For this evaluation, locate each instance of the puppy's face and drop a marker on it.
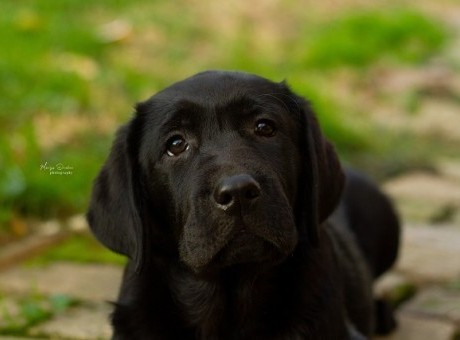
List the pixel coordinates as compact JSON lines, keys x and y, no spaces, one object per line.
{"x":221,"y":153}
{"x":220,"y":169}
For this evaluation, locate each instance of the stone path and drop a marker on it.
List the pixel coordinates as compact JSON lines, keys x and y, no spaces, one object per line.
{"x":429,"y":198}
{"x":94,"y":285}
{"x":85,"y":282}
{"x":430,"y":264}
{"x":86,"y":322}
{"x":430,"y":254}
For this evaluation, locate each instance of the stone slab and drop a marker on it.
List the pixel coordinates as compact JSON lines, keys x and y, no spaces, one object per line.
{"x":430,"y":254}
{"x":16,"y":252}
{"x":89,"y":282}
{"x":422,"y":196}
{"x":436,"y":302}
{"x":85,"y":323}
{"x":416,"y":327}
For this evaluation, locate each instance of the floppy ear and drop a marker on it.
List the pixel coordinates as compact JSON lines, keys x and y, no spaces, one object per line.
{"x":323,"y":177}
{"x":114,"y":213}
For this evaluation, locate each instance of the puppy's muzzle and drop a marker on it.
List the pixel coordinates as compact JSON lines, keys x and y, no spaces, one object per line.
{"x":235,"y":193}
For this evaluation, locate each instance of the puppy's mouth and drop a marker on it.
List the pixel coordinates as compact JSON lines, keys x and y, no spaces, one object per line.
{"x":246,"y":247}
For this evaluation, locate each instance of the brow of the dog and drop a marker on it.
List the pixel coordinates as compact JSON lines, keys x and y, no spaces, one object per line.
{"x":187,"y":113}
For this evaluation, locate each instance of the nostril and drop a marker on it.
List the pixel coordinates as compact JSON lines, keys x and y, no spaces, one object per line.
{"x":223,"y":197}
{"x":252,"y":192}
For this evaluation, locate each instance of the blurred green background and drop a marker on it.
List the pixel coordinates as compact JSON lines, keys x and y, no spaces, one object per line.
{"x":71,"y":71}
{"x":382,"y":77}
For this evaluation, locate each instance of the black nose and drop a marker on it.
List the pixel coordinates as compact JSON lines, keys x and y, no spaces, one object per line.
{"x":236,"y":190}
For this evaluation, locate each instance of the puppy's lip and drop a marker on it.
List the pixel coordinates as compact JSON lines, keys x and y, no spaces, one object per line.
{"x":242,"y":229}
{"x":243,"y":248}
{"x":240,"y":225}
{"x":246,"y":247}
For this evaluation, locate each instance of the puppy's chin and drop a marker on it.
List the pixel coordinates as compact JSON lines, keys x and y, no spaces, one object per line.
{"x":246,"y":248}
{"x":243,"y":250}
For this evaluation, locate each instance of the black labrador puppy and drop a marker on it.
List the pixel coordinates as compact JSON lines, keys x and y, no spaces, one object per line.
{"x":219,"y":192}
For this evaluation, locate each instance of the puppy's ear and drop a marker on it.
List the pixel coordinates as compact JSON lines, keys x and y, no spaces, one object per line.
{"x":114,"y":213}
{"x":322,"y":176}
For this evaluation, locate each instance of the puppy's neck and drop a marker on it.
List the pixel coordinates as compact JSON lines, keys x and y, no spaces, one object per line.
{"x":227,"y":301}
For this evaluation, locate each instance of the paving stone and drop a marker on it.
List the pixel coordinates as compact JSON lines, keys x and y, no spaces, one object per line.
{"x":425,"y":186}
{"x":450,"y":169}
{"x":432,"y":117}
{"x":78,"y":223}
{"x":430,"y":254}
{"x":422,"y":196}
{"x":388,"y":282}
{"x":436,"y":302}
{"x":16,"y":252}
{"x":87,"y":282}
{"x":9,"y":309}
{"x":17,"y":312}
{"x":394,"y":287}
{"x":421,"y":328}
{"x":85,"y":322}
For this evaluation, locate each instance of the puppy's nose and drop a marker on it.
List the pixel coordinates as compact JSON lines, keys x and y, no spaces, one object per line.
{"x":236,"y":190}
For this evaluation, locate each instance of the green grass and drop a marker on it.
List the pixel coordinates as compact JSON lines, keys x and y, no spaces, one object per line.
{"x":361,"y":39}
{"x":31,"y":310}
{"x":79,"y":249}
{"x":337,"y":124}
{"x":55,"y":63}
{"x":32,"y":190}
{"x":34,"y":74}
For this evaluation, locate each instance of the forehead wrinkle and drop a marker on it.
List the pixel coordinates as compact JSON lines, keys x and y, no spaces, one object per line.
{"x":277,"y":99}
{"x":242,"y":105}
{"x":252,"y":104}
{"x":183,"y":113}
{"x":247,"y":105}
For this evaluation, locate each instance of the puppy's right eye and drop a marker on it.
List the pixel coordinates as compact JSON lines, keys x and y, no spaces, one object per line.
{"x":265,"y":128}
{"x":176,"y":145}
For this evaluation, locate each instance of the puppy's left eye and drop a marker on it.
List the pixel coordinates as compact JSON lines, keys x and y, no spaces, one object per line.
{"x":265,"y":128}
{"x":176,"y":145}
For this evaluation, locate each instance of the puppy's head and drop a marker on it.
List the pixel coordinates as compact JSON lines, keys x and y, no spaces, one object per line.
{"x":220,"y":169}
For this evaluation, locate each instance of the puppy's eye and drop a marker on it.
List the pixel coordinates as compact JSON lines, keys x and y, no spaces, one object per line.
{"x":265,"y":128}
{"x":176,"y":145}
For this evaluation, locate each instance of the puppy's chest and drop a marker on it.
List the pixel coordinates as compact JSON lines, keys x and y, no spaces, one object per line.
{"x":216,"y":312}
